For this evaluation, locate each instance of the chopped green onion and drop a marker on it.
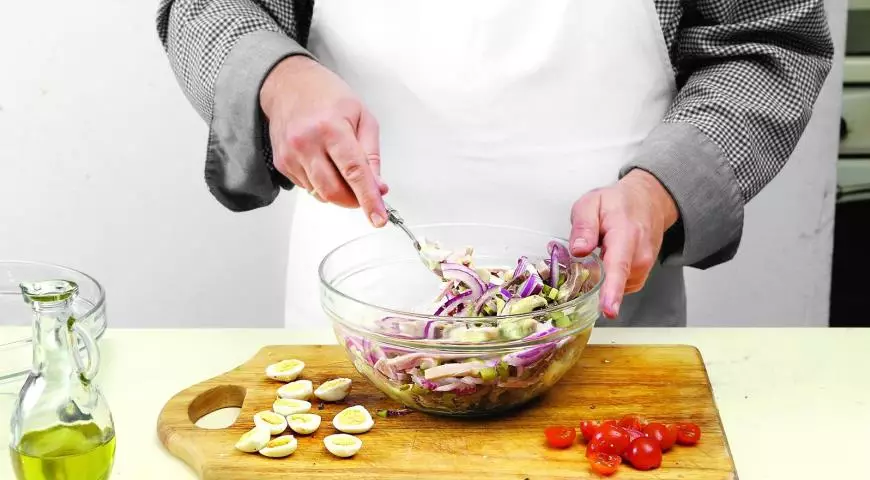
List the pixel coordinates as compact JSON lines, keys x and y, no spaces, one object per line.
{"x":488,"y":374}
{"x":503,"y":370}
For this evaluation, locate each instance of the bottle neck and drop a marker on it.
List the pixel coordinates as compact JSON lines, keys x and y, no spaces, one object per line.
{"x":51,"y":338}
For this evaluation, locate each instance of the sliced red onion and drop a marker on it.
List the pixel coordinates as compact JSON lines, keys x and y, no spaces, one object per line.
{"x":465,"y":275}
{"x":554,"y":268}
{"x":454,"y":303}
{"x":522,"y":266}
{"x":544,"y":330}
{"x":531,"y":286}
{"x":529,"y":356}
{"x":559,"y":256}
{"x":487,"y":296}
{"x":563,"y":256}
{"x":506,"y":294}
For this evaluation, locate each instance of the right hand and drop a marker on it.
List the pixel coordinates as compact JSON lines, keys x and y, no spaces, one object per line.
{"x":323,"y":138}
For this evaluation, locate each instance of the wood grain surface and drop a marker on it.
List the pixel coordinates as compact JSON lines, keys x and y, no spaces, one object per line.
{"x":663,"y":383}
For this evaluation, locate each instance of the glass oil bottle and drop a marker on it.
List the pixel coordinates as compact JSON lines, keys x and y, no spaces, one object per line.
{"x":61,"y":427}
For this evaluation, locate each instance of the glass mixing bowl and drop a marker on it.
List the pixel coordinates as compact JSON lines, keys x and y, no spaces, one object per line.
{"x":16,"y":349}
{"x":376,"y":290}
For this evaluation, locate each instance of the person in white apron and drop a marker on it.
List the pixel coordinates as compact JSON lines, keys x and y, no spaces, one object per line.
{"x":504,"y":106}
{"x":506,"y":112}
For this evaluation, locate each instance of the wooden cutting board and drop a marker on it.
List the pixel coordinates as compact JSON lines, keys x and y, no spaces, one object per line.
{"x":663,"y":383}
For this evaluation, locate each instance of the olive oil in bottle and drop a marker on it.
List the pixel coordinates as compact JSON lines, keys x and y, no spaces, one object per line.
{"x":61,"y":427}
{"x":65,"y":452}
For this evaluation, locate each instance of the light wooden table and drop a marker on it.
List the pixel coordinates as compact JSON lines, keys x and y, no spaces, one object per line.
{"x":784,"y":394}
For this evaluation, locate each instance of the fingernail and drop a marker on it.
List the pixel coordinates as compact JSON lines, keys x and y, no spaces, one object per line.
{"x":615,"y":308}
{"x":377,"y":219}
{"x":579,"y":244}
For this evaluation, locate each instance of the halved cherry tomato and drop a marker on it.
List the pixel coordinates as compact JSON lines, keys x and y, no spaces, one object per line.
{"x":605,"y":463}
{"x":560,"y":437}
{"x":644,"y":454}
{"x":589,"y":427}
{"x":633,"y":421}
{"x":610,"y":439}
{"x":666,"y":435}
{"x":688,"y":433}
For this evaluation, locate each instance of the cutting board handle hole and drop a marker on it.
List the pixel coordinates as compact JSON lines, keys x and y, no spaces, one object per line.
{"x":217,"y":407}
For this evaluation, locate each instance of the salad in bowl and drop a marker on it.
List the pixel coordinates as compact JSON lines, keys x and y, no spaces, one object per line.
{"x":482,"y":330}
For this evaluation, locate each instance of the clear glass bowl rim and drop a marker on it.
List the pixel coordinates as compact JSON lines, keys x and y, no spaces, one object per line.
{"x":463,"y":347}
{"x":101,"y":300}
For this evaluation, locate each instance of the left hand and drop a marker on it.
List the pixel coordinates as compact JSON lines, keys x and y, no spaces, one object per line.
{"x":630,"y":217}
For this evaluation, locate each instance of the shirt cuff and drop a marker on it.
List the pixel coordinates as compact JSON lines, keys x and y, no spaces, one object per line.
{"x":696,"y":173}
{"x":237,"y":161}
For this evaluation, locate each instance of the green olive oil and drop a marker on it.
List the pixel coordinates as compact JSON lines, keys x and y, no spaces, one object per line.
{"x":65,"y":452}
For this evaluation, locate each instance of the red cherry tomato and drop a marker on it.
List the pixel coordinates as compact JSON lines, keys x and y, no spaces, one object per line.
{"x":644,"y":454}
{"x":589,"y":427}
{"x":610,"y":439}
{"x":632,"y":421}
{"x":666,"y":435}
{"x":605,"y":463}
{"x":560,"y":437}
{"x":688,"y":433}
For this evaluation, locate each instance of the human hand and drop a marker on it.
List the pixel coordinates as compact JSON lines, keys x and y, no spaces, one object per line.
{"x":630,"y":218}
{"x":323,"y":138}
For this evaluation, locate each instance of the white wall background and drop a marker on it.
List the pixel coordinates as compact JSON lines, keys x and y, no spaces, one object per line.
{"x":101,"y":169}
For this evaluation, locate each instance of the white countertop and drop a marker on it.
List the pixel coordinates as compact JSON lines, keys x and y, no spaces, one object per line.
{"x":777,"y":391}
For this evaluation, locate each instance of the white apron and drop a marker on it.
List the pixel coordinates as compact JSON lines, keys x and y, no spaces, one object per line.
{"x":491,"y":111}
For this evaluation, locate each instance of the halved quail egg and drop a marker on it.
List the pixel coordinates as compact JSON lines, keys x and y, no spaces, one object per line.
{"x":253,"y":440}
{"x":300,"y":390}
{"x":342,"y":444}
{"x":280,"y":446}
{"x":333,"y":390}
{"x":271,"y":421}
{"x":303,"y":423}
{"x":354,"y":419}
{"x":289,"y":406}
{"x":285,"y":370}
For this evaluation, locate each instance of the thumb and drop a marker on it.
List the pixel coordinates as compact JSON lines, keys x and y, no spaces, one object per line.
{"x":368,"y":134}
{"x":585,"y":224}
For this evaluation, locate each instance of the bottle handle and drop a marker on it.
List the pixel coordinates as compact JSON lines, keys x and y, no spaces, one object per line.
{"x":89,"y":371}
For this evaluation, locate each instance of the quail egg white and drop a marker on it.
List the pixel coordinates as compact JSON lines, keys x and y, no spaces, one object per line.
{"x":299,"y":390}
{"x":342,"y":444}
{"x":253,"y":440}
{"x":280,"y":446}
{"x":333,"y":390}
{"x":271,"y":421}
{"x":354,"y":419}
{"x":289,"y":406}
{"x":303,"y":423}
{"x":285,"y":370}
